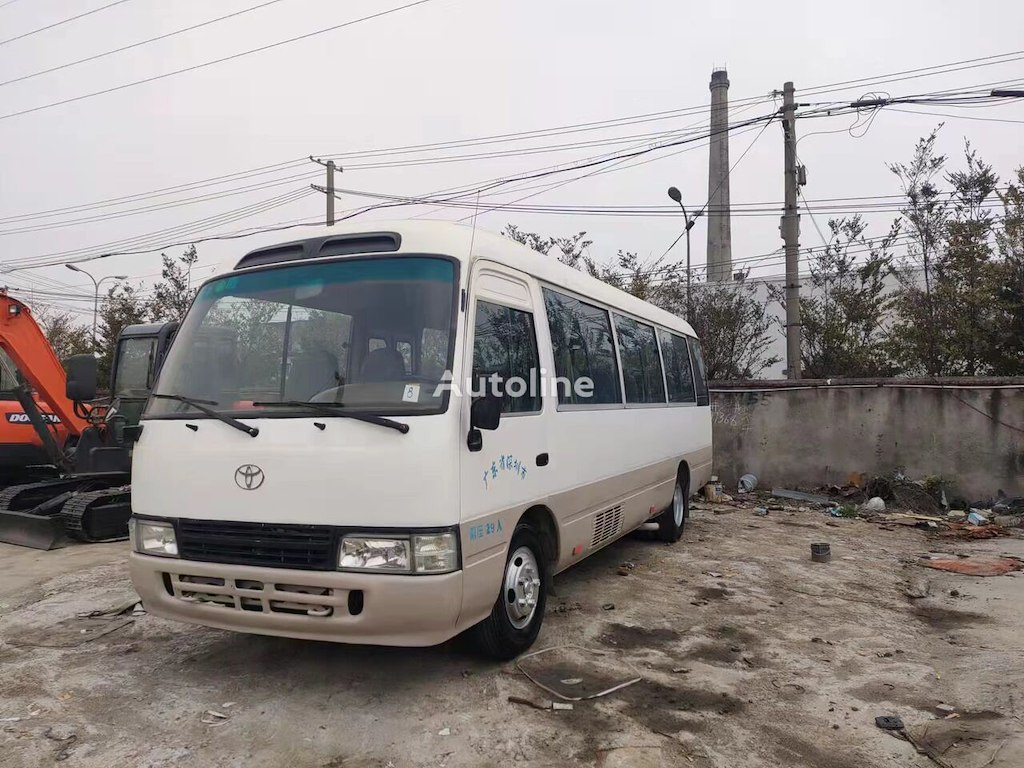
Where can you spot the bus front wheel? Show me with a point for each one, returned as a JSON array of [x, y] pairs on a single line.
[[517, 614]]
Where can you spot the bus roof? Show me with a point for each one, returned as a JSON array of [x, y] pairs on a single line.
[[458, 240]]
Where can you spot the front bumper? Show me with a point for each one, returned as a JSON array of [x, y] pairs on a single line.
[[310, 605]]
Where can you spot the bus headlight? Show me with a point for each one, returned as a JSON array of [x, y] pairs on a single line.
[[362, 553], [435, 552], [150, 537], [416, 553]]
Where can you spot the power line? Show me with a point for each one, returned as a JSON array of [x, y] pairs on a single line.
[[122, 246], [163, 192], [704, 207], [160, 207], [61, 22], [124, 48], [956, 117], [221, 60]]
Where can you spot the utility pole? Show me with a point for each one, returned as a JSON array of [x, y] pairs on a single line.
[[330, 193], [791, 233], [329, 189]]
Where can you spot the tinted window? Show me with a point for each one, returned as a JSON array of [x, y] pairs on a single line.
[[641, 367], [581, 336], [504, 342], [699, 373], [134, 360], [675, 353]]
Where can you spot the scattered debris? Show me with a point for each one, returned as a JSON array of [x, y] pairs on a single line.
[[975, 565], [566, 607], [600, 672], [783, 493], [954, 593], [572, 681], [967, 531], [795, 686], [976, 518], [681, 670], [874, 505], [747, 483], [561, 705], [889, 723], [991, 741], [956, 515], [445, 732], [713, 574], [917, 589], [528, 702], [64, 738], [214, 718], [626, 568], [70, 632], [608, 607], [947, 708], [761, 511]]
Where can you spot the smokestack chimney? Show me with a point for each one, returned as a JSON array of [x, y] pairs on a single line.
[[719, 252]]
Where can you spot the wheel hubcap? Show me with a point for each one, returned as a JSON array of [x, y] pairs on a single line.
[[522, 587], [678, 505]]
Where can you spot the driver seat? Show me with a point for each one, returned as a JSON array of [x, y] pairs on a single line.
[[384, 364], [312, 372]]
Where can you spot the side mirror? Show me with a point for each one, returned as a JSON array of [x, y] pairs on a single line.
[[81, 381], [485, 412]]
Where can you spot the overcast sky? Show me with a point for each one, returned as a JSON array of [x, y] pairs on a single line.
[[449, 70]]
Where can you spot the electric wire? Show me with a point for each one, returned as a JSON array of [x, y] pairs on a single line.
[[61, 22], [221, 60], [123, 48]]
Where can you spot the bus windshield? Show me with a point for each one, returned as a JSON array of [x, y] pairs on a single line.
[[371, 335]]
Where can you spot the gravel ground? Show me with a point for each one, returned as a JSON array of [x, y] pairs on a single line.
[[749, 653]]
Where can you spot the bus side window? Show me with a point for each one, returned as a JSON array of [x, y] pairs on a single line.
[[581, 337], [504, 342], [700, 377], [678, 374]]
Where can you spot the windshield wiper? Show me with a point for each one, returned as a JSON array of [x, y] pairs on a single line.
[[335, 409], [200, 405]]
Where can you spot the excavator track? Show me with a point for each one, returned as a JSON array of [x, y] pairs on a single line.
[[98, 515], [19, 498]]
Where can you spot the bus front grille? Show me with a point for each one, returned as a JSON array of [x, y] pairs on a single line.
[[273, 545]]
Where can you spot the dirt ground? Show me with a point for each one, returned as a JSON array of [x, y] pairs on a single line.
[[749, 653]]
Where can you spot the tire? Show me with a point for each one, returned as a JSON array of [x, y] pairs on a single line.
[[673, 518], [512, 627]]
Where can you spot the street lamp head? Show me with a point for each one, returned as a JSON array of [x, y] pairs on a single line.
[[72, 267], [675, 194], [120, 277]]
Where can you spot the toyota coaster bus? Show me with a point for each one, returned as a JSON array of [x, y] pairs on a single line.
[[391, 436]]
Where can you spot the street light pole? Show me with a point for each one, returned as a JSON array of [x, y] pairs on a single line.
[[96, 297], [676, 195]]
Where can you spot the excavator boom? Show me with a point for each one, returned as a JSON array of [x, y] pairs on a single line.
[[24, 342]]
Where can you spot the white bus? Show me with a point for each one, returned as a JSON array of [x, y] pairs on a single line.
[[312, 465]]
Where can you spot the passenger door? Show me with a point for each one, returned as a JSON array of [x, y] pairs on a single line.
[[508, 474]]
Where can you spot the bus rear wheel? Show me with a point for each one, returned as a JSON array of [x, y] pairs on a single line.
[[672, 520], [517, 614]]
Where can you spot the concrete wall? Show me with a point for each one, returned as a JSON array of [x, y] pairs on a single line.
[[817, 434]]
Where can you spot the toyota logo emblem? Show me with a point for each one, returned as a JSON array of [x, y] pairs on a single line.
[[249, 477]]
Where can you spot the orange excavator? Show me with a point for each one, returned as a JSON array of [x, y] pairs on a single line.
[[77, 453]]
